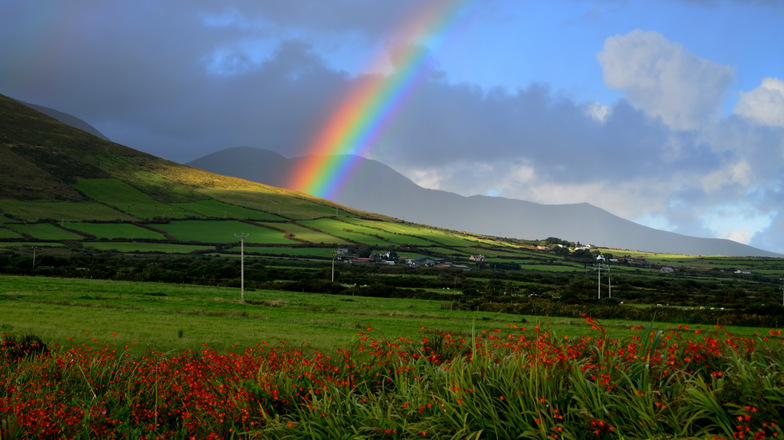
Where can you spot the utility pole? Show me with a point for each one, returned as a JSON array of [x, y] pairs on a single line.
[[599, 281], [242, 238], [334, 255], [609, 281], [34, 248]]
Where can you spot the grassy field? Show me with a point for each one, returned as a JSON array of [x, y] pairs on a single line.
[[128, 199], [111, 231], [45, 231], [204, 231], [33, 211], [172, 361], [348, 232], [319, 252], [369, 228], [167, 248], [215, 209], [175, 317], [6, 233], [300, 232]]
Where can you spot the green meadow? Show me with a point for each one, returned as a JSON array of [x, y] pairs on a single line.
[[110, 231], [45, 231], [218, 210], [141, 247], [204, 231], [126, 198], [171, 317], [33, 211], [302, 233]]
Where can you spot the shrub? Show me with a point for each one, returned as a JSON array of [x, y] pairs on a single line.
[[13, 349]]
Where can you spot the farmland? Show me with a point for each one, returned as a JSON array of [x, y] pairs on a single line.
[[518, 344]]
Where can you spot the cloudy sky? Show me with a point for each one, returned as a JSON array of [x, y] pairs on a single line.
[[669, 112]]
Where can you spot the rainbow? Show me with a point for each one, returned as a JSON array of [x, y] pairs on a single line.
[[361, 117]]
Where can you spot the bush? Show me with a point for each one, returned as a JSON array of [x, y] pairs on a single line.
[[13, 349]]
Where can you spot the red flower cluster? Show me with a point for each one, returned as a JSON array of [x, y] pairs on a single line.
[[101, 391]]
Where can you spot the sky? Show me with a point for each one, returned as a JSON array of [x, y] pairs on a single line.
[[669, 113]]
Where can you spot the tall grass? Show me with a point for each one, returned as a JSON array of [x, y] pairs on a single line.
[[507, 383]]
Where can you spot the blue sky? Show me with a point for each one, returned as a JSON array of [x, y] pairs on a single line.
[[669, 113]]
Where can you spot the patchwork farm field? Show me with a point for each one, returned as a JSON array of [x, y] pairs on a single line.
[[204, 231], [33, 211], [44, 231], [6, 233], [302, 233], [218, 210], [126, 198], [139, 247], [111, 231], [348, 232]]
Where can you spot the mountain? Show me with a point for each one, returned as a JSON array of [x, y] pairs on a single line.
[[49, 169], [378, 188], [65, 118]]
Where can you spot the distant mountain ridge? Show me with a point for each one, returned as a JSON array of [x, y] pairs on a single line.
[[65, 118], [378, 188]]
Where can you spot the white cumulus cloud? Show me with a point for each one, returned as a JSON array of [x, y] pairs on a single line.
[[765, 104], [665, 80]]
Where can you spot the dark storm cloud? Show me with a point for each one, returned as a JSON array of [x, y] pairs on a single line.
[[449, 123]]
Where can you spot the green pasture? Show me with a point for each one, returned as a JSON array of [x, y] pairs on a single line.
[[425, 234], [348, 232], [32, 211], [288, 251], [6, 233], [170, 317], [275, 200], [368, 227], [216, 209], [449, 239], [44, 231], [27, 244], [396, 228], [111, 231], [544, 267], [325, 209], [301, 233], [128, 199], [399, 236], [448, 252], [159, 186], [168, 248], [498, 252], [217, 231]]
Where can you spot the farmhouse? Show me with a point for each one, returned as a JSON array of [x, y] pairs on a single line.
[[422, 261]]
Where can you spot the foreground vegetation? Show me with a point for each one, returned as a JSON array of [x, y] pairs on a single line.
[[120, 359], [506, 383]]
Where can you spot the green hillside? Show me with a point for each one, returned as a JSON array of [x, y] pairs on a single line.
[[60, 185]]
